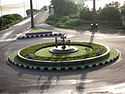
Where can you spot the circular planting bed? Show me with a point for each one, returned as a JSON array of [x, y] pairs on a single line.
[[39, 56]]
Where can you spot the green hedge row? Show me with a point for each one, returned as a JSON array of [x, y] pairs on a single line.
[[67, 22]]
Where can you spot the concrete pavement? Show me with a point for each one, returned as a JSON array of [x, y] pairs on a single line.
[[102, 80], [71, 82]]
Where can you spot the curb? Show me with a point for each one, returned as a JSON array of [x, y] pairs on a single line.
[[65, 63], [64, 68], [38, 35]]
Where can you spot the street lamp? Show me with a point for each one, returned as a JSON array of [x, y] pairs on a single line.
[[24, 7], [31, 8], [94, 25]]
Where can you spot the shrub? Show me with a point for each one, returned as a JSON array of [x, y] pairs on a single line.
[[8, 20]]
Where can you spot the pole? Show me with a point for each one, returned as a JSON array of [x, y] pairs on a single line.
[[24, 8], [94, 26], [94, 12], [32, 20]]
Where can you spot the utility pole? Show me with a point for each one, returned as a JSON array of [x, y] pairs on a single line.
[[24, 7], [94, 25], [32, 19], [94, 12]]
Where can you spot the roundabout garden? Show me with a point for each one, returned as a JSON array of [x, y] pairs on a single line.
[[63, 55]]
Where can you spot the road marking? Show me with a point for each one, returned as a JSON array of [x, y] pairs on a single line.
[[5, 35], [7, 40], [10, 39]]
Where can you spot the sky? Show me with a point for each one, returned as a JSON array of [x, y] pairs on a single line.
[[47, 2], [6, 2], [101, 3], [19, 6]]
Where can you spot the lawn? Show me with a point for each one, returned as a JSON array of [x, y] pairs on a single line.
[[13, 57], [33, 30], [82, 50]]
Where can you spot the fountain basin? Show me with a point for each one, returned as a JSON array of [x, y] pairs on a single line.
[[59, 50]]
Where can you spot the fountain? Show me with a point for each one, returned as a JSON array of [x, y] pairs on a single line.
[[63, 46]]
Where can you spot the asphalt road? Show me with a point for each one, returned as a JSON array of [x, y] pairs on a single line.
[[102, 80]]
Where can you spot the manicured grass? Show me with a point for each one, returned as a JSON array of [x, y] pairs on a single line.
[[33, 49], [113, 53], [13, 57], [37, 30], [81, 51]]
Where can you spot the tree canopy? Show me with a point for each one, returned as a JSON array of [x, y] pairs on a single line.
[[86, 14], [110, 12], [123, 10], [64, 7]]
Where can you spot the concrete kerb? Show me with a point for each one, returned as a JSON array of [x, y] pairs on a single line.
[[64, 68], [63, 62], [39, 35]]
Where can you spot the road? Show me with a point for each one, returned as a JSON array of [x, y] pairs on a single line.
[[102, 80]]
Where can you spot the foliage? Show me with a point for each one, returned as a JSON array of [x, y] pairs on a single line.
[[64, 7], [113, 4], [44, 8], [8, 20], [28, 11], [110, 12], [86, 14], [123, 10], [79, 24], [107, 17]]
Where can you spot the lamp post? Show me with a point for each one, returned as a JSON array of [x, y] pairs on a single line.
[[31, 8], [94, 12], [94, 25], [24, 7]]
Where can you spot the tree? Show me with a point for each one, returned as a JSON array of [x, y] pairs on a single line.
[[110, 12], [123, 10], [64, 7], [28, 11], [85, 14], [113, 4]]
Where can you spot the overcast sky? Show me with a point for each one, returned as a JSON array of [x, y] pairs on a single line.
[[101, 3], [47, 2], [39, 3]]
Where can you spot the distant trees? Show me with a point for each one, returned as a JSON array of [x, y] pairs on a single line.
[[28, 11], [123, 10], [110, 12], [85, 14], [64, 7], [109, 16]]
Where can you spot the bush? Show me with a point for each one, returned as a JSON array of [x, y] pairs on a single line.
[[8, 20]]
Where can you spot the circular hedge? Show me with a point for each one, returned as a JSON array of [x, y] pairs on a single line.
[[86, 50]]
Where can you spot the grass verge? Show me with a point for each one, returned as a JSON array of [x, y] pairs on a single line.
[[35, 30], [113, 53]]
